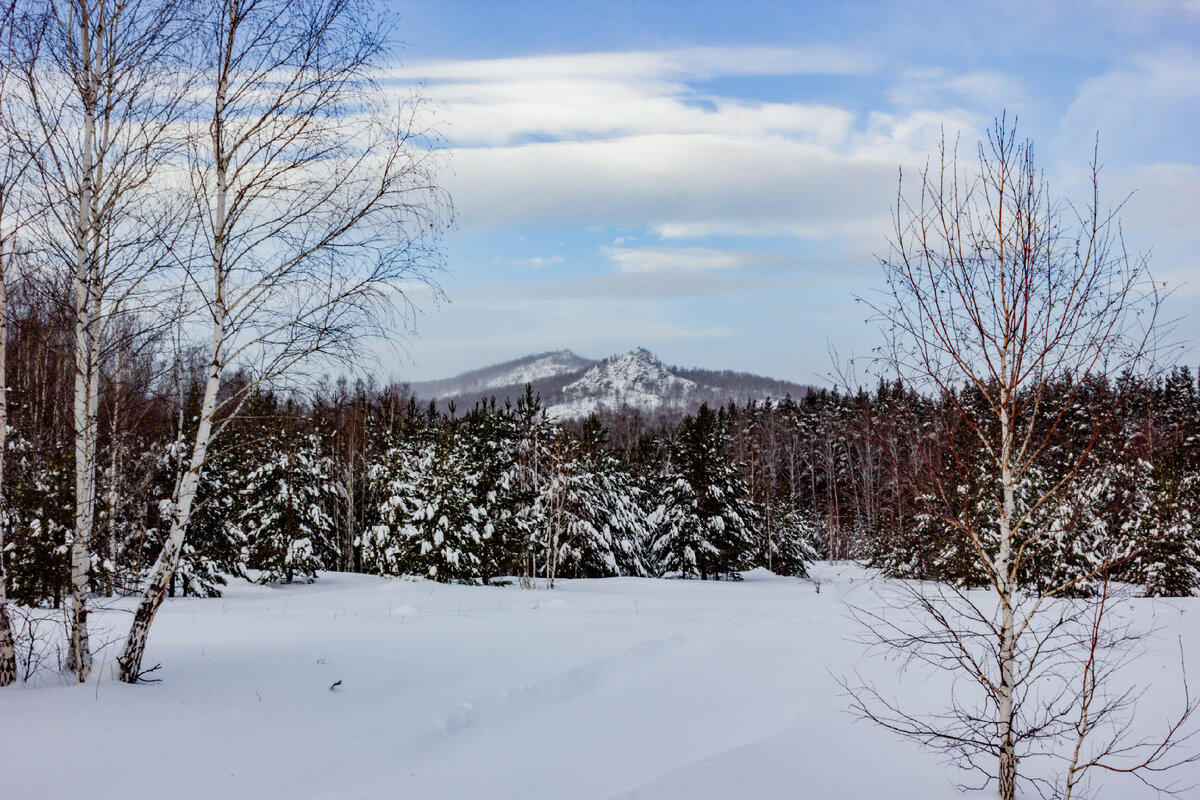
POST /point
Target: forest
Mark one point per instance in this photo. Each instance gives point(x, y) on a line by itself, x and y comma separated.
point(354, 477)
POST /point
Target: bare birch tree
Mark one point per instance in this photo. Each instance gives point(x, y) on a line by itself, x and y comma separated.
point(318, 207)
point(13, 163)
point(995, 292)
point(100, 95)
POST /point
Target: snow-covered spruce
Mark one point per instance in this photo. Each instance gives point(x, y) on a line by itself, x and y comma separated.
point(590, 513)
point(289, 533)
point(429, 525)
point(704, 519)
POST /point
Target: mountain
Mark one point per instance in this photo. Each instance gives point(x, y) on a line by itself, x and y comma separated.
point(499, 379)
point(572, 386)
point(636, 379)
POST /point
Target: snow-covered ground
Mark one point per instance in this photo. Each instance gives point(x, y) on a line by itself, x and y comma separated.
point(617, 688)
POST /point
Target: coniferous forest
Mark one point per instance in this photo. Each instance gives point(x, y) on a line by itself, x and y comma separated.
point(351, 476)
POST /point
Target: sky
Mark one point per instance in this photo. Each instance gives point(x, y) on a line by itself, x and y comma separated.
point(713, 180)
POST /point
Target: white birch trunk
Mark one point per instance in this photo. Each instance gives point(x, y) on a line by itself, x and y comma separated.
point(347, 547)
point(1005, 583)
point(130, 660)
point(79, 657)
point(114, 469)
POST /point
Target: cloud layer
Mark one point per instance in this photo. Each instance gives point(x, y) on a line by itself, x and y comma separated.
point(735, 189)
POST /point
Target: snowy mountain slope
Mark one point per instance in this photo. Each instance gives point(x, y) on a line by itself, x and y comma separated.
point(571, 386)
point(636, 379)
point(629, 688)
point(535, 368)
point(547, 365)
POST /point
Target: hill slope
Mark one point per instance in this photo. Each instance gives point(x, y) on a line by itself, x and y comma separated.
point(572, 386)
point(537, 368)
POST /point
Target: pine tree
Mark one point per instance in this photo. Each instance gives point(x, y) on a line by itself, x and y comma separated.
point(429, 524)
point(216, 544)
point(289, 532)
point(1164, 534)
point(788, 542)
point(505, 447)
point(704, 519)
point(1166, 500)
point(590, 518)
point(37, 519)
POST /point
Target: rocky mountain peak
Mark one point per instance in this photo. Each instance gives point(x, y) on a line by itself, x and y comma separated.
point(636, 379)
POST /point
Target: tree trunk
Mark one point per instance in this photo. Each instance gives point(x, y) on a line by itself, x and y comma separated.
point(112, 499)
point(79, 657)
point(163, 573)
point(1005, 582)
point(8, 652)
point(347, 548)
point(1008, 753)
point(185, 493)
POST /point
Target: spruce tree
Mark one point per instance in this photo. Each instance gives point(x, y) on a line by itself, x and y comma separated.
point(37, 519)
point(216, 545)
point(429, 525)
point(787, 544)
point(704, 518)
point(1164, 535)
point(590, 518)
point(289, 532)
point(504, 447)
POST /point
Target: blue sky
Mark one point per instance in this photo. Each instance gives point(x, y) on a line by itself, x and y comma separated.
point(713, 180)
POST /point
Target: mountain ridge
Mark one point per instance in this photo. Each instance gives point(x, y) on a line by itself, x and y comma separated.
point(572, 386)
point(506, 374)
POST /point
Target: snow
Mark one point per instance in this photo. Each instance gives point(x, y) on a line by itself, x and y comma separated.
point(542, 367)
point(636, 379)
point(617, 688)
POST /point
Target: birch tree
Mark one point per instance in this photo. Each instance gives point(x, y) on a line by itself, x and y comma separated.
point(13, 163)
point(318, 210)
point(994, 291)
point(99, 97)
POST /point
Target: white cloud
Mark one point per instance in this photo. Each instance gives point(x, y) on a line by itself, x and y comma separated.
point(691, 62)
point(936, 87)
point(533, 262)
point(690, 259)
point(694, 185)
point(1165, 199)
point(628, 140)
point(1158, 219)
point(1145, 111)
point(1148, 102)
point(593, 95)
point(674, 274)
point(585, 108)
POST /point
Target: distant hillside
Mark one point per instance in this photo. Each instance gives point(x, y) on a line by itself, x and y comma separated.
point(500, 379)
point(572, 386)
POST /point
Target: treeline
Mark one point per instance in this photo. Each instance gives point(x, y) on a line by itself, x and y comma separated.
point(881, 474)
point(365, 478)
point(359, 477)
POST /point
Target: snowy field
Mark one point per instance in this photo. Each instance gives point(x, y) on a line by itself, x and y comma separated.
point(618, 688)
